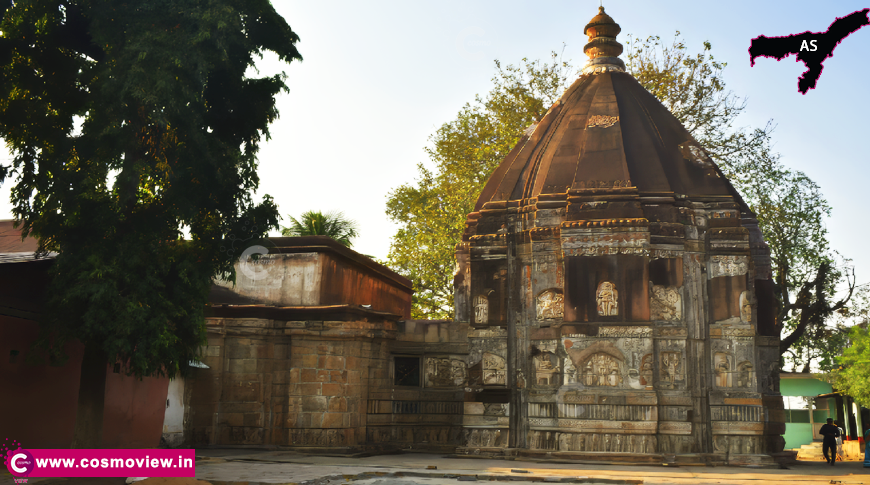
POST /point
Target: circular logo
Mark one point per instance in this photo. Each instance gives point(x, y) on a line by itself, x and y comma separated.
point(20, 462)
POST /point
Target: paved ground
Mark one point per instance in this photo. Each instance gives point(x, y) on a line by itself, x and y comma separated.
point(237, 467)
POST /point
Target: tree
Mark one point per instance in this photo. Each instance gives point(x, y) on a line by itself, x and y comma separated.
point(851, 377)
point(431, 213)
point(332, 224)
point(169, 132)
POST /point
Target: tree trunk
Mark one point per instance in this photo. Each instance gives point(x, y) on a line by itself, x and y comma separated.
point(92, 394)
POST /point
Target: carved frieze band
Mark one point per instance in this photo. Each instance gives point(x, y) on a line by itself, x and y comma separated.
point(728, 265)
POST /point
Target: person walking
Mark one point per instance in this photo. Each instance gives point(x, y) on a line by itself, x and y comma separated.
point(840, 440)
point(829, 433)
point(867, 449)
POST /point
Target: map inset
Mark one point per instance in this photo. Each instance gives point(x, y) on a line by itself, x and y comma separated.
point(811, 48)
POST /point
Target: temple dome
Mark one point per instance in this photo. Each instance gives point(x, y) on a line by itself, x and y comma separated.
point(607, 131)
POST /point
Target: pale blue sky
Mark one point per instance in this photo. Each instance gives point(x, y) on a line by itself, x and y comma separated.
point(379, 77)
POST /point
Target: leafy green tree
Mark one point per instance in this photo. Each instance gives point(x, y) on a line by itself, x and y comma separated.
point(170, 126)
point(431, 212)
point(332, 224)
point(851, 376)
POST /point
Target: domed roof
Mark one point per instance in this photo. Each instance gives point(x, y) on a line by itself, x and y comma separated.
point(606, 131)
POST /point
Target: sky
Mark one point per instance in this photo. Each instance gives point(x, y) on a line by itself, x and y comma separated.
point(379, 77)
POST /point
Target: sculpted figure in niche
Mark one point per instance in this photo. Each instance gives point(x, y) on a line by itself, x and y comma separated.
point(646, 370)
point(602, 370)
point(608, 299)
point(722, 368)
point(549, 304)
point(665, 303)
point(744, 374)
point(546, 368)
point(670, 367)
point(481, 309)
point(745, 307)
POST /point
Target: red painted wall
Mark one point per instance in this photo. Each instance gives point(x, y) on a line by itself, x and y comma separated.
point(38, 403)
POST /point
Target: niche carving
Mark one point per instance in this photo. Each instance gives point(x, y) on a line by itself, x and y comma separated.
point(546, 369)
point(481, 309)
point(601, 370)
point(607, 298)
point(549, 304)
point(646, 370)
point(665, 303)
point(745, 307)
point(670, 369)
point(722, 369)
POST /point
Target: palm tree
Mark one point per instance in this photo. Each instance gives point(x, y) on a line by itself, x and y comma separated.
point(315, 223)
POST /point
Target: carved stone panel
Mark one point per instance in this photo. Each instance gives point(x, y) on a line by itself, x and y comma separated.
point(445, 372)
point(728, 266)
point(745, 374)
point(546, 369)
point(671, 368)
point(665, 303)
point(745, 307)
point(549, 304)
point(481, 309)
point(601, 370)
point(646, 370)
point(494, 369)
point(722, 369)
point(607, 298)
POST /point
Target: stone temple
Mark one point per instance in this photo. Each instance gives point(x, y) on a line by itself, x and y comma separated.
point(617, 287)
point(613, 301)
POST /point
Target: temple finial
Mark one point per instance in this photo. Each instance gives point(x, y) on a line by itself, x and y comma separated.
point(603, 49)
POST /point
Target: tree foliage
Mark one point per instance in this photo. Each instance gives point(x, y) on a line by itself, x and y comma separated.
point(851, 376)
point(131, 122)
point(463, 153)
point(331, 224)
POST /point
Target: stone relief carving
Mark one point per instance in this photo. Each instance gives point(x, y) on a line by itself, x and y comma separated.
point(728, 266)
point(608, 442)
point(665, 303)
point(646, 370)
point(546, 369)
point(601, 370)
point(494, 369)
point(623, 332)
point(570, 373)
point(744, 374)
point(481, 309)
point(445, 372)
point(722, 369)
point(495, 409)
point(549, 304)
point(607, 298)
point(601, 121)
point(745, 307)
point(670, 369)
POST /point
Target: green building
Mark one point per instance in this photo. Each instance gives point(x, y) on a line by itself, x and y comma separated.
point(809, 402)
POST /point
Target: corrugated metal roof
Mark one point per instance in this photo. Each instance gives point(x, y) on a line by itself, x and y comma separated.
point(23, 257)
